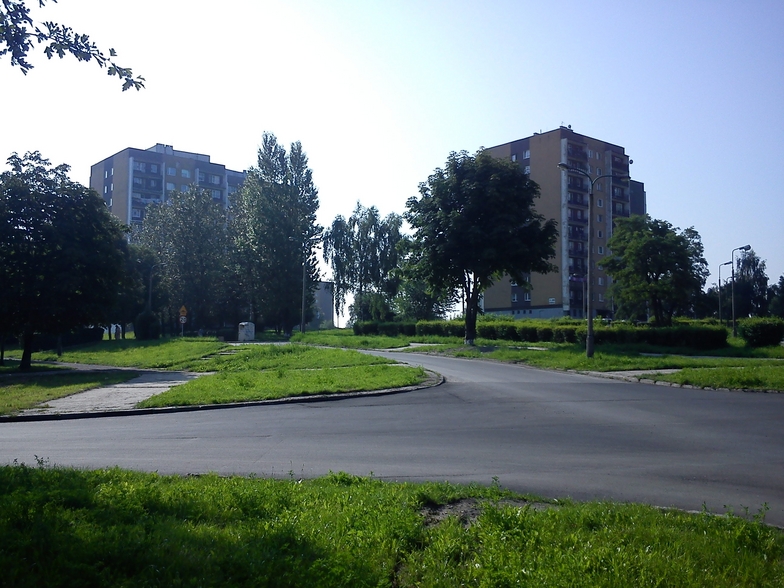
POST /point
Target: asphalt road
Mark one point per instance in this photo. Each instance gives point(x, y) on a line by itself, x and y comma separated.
point(548, 433)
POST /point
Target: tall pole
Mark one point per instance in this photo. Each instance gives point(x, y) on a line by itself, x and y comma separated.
point(734, 324)
point(721, 264)
point(302, 316)
point(589, 337)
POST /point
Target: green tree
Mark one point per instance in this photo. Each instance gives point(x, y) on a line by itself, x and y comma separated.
point(776, 298)
point(751, 285)
point(188, 235)
point(132, 296)
point(475, 221)
point(62, 252)
point(655, 269)
point(363, 255)
point(18, 32)
point(275, 234)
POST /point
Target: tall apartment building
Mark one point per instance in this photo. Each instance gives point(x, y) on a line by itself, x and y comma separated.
point(564, 197)
point(133, 178)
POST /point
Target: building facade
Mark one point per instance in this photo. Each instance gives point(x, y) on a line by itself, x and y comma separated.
point(565, 198)
point(133, 178)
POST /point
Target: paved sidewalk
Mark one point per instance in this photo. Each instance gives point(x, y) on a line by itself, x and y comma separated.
point(118, 397)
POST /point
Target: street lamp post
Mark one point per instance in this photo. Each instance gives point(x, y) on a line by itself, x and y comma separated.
point(589, 346)
point(721, 264)
point(732, 259)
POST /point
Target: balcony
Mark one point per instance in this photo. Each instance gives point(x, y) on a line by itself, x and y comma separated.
point(617, 213)
point(576, 152)
point(577, 200)
point(578, 236)
point(577, 253)
point(620, 164)
point(620, 196)
point(577, 184)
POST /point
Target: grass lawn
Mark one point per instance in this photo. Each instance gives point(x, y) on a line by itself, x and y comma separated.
point(754, 377)
point(288, 356)
point(64, 527)
point(162, 354)
point(19, 393)
point(243, 386)
point(11, 366)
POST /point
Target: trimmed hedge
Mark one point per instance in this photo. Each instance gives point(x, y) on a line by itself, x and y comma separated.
point(695, 337)
point(389, 329)
point(761, 332)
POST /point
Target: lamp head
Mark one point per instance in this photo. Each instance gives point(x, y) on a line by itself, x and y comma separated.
point(745, 248)
point(563, 166)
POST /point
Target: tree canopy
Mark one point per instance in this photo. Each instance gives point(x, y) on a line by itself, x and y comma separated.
point(275, 233)
point(62, 252)
point(363, 254)
point(188, 236)
point(18, 33)
point(656, 269)
point(475, 221)
point(751, 285)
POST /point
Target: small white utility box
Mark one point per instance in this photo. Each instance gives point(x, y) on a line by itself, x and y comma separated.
point(246, 332)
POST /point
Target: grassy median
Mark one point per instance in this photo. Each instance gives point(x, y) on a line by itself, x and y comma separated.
point(64, 527)
point(20, 393)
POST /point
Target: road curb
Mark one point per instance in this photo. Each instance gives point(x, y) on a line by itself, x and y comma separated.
point(434, 379)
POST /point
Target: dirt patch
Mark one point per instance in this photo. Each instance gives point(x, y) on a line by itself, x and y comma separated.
point(468, 510)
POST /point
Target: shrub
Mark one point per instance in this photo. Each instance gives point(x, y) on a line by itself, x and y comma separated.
point(147, 326)
point(527, 332)
point(544, 333)
point(486, 330)
point(565, 334)
point(761, 332)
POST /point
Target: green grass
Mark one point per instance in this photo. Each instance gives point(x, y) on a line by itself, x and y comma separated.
point(756, 377)
point(336, 338)
point(64, 527)
point(20, 393)
point(290, 356)
point(243, 386)
point(162, 353)
point(11, 366)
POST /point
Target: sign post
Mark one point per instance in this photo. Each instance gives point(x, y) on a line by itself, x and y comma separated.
point(183, 319)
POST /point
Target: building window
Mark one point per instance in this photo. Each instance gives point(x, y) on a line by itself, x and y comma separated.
point(183, 188)
point(599, 234)
point(601, 250)
point(139, 166)
point(136, 213)
point(527, 154)
point(601, 297)
point(137, 181)
point(514, 297)
point(201, 177)
point(170, 186)
point(171, 171)
point(599, 187)
point(599, 218)
point(600, 203)
point(527, 297)
point(105, 189)
point(106, 175)
point(153, 168)
point(216, 194)
point(601, 281)
point(153, 183)
point(185, 173)
point(514, 156)
point(216, 180)
point(598, 171)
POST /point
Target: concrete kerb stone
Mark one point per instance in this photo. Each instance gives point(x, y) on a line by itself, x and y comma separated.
point(434, 379)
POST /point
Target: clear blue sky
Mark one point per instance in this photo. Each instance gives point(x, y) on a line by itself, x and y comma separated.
point(379, 93)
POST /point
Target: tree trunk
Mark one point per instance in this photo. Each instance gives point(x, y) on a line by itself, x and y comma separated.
point(27, 350)
point(472, 309)
point(59, 345)
point(2, 348)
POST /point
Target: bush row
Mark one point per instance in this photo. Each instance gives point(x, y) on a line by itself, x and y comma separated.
point(761, 332)
point(695, 336)
point(389, 329)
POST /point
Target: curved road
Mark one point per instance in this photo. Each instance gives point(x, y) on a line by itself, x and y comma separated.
point(549, 433)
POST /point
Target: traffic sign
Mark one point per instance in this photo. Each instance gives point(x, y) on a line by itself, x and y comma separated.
point(183, 320)
point(183, 311)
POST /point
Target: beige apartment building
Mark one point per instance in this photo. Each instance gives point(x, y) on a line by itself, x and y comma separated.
point(565, 197)
point(133, 178)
